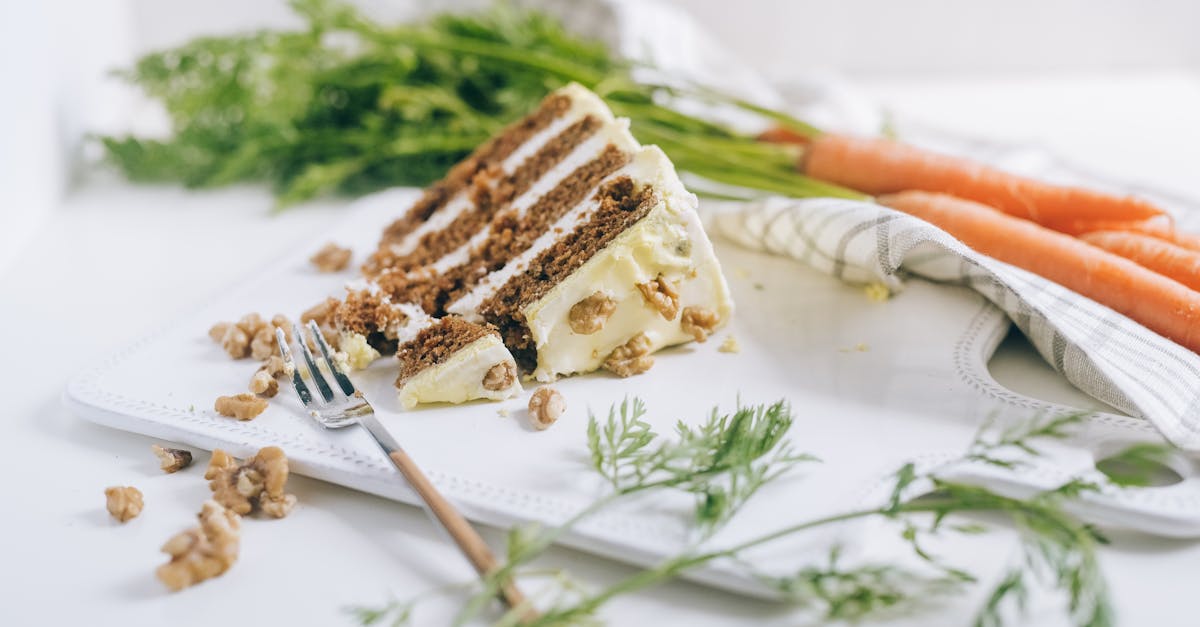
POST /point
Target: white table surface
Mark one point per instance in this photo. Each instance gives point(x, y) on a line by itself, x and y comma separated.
point(116, 259)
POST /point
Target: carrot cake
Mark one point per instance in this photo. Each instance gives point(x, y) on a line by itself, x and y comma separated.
point(560, 246)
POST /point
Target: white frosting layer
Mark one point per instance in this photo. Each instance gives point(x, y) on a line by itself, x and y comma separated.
point(460, 378)
point(669, 241)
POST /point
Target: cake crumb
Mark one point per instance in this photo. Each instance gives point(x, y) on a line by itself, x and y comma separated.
point(633, 357)
point(244, 406)
point(759, 287)
point(171, 459)
point(861, 347)
point(331, 258)
point(699, 322)
point(590, 314)
point(202, 552)
point(741, 273)
point(257, 482)
point(502, 412)
point(545, 407)
point(123, 502)
point(730, 345)
point(877, 292)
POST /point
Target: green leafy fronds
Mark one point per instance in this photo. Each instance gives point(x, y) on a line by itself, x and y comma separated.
point(1137, 465)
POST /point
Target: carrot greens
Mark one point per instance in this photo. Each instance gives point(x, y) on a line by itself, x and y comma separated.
point(725, 460)
point(349, 105)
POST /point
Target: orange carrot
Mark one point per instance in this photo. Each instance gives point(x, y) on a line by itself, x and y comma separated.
point(782, 135)
point(1162, 305)
point(1158, 226)
point(1159, 255)
point(880, 166)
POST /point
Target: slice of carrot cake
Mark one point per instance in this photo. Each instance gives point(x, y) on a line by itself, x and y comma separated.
point(561, 244)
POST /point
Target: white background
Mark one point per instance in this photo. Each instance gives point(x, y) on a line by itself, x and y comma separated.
point(85, 268)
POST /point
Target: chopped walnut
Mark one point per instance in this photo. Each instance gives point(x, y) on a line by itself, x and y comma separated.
point(589, 315)
point(331, 258)
point(500, 377)
point(124, 502)
point(242, 406)
point(172, 459)
point(236, 342)
point(699, 322)
point(218, 330)
point(662, 295)
point(545, 406)
point(263, 384)
point(262, 346)
point(631, 358)
point(202, 552)
point(259, 481)
point(275, 366)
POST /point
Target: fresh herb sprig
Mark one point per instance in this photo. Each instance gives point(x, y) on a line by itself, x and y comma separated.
point(717, 458)
point(348, 105)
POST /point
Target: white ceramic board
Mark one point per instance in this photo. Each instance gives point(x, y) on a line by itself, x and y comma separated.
point(872, 385)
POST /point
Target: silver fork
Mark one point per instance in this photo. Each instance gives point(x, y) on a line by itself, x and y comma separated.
point(347, 407)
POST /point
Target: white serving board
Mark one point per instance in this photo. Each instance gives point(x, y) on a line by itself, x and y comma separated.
point(872, 385)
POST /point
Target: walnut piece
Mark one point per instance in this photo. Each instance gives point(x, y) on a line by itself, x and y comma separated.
point(202, 552)
point(258, 481)
point(264, 384)
point(631, 358)
point(124, 502)
point(500, 377)
point(331, 258)
point(545, 406)
point(699, 322)
point(276, 367)
point(662, 295)
point(172, 459)
point(251, 336)
point(244, 406)
point(589, 315)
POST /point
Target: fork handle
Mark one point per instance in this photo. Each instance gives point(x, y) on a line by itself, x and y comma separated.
point(464, 535)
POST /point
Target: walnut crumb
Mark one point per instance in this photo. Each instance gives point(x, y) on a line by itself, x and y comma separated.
point(661, 294)
point(124, 502)
point(244, 406)
point(258, 481)
point(500, 377)
point(331, 258)
point(202, 552)
point(589, 315)
point(545, 406)
point(699, 322)
point(263, 384)
point(730, 345)
point(631, 358)
point(172, 459)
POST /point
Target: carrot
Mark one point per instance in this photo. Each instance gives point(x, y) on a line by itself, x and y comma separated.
point(1158, 226)
point(880, 166)
point(782, 135)
point(1162, 305)
point(1159, 255)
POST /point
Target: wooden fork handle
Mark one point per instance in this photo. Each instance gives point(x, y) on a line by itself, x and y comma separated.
point(464, 535)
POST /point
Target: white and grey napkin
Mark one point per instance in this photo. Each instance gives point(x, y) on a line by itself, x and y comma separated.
point(1101, 352)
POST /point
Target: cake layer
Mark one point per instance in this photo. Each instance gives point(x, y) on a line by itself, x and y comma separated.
point(454, 361)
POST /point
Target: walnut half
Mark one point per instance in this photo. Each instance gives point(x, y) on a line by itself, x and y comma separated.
point(631, 358)
point(124, 502)
point(258, 481)
point(244, 406)
point(589, 315)
point(699, 322)
point(661, 294)
point(202, 552)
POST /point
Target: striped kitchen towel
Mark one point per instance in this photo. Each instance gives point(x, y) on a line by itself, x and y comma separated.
point(1101, 352)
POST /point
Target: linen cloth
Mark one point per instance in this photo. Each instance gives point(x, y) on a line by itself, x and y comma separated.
point(1100, 351)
